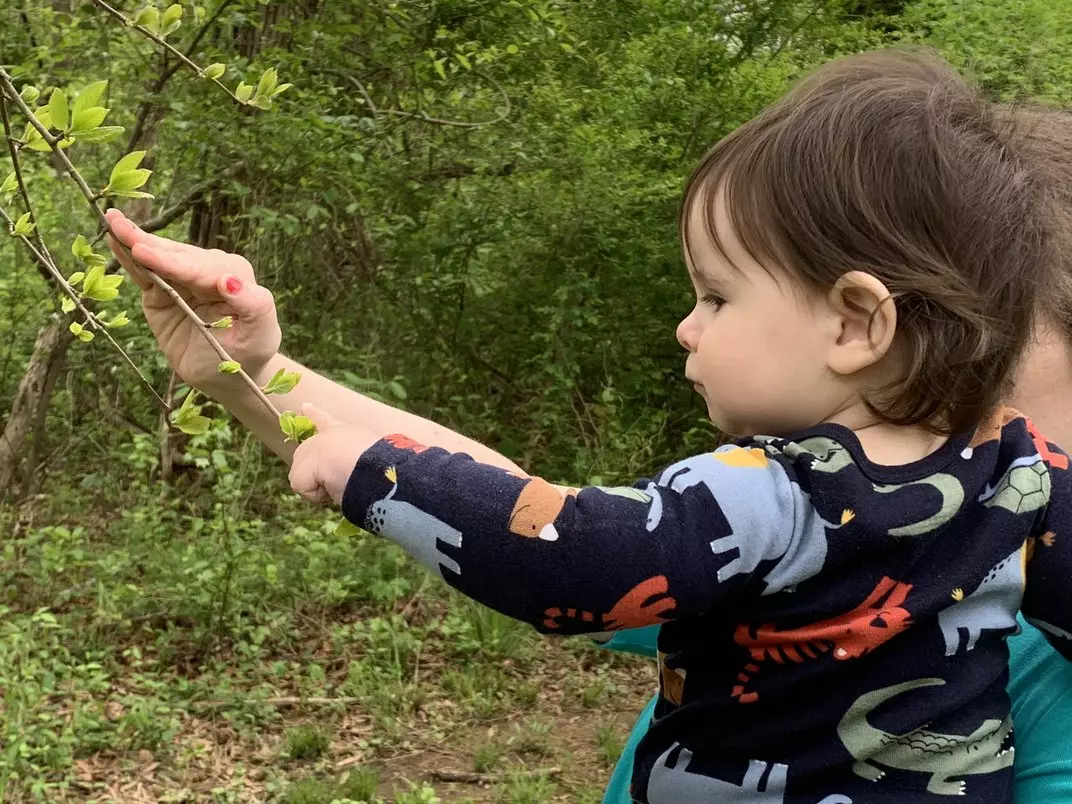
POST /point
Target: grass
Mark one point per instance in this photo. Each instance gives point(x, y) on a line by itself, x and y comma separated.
point(184, 643)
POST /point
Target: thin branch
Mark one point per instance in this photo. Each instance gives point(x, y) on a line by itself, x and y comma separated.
point(47, 263)
point(147, 105)
point(423, 116)
point(14, 151)
point(7, 86)
point(182, 57)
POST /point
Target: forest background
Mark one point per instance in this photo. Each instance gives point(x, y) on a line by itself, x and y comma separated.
point(463, 207)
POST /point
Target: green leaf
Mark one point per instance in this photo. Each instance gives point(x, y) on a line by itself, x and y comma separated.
point(346, 529)
point(80, 332)
point(150, 18)
point(229, 367)
point(131, 180)
point(214, 71)
point(188, 418)
point(127, 163)
point(101, 294)
point(296, 427)
point(463, 61)
point(120, 320)
point(57, 107)
point(10, 185)
point(75, 278)
point(512, 50)
point(67, 304)
point(195, 425)
point(396, 389)
point(243, 92)
point(88, 119)
point(133, 194)
point(282, 382)
point(30, 93)
point(438, 64)
point(81, 248)
point(88, 97)
point(102, 134)
point(224, 323)
point(172, 19)
point(100, 287)
point(24, 226)
point(269, 81)
point(281, 88)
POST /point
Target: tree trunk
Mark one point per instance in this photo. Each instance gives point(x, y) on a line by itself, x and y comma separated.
point(51, 346)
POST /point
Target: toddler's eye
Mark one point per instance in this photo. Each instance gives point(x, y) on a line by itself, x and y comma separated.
point(713, 300)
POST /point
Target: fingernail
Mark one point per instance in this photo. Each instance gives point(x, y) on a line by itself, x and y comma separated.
point(232, 284)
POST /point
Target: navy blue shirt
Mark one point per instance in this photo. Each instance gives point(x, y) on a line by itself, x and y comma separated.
point(833, 631)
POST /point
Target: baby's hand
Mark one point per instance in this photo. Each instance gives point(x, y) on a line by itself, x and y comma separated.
point(322, 465)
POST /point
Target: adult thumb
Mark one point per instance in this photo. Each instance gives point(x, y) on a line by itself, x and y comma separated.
point(323, 420)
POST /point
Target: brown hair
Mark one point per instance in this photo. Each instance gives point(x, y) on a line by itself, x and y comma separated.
point(889, 162)
point(1044, 138)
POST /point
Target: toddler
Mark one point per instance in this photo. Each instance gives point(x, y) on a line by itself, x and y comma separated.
point(835, 587)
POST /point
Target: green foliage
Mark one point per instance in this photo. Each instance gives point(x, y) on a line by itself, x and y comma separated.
point(306, 742)
point(465, 209)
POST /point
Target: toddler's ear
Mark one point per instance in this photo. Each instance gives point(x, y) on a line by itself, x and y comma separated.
point(867, 318)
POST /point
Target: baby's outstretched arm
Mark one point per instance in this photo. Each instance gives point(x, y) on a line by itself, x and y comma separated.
point(591, 559)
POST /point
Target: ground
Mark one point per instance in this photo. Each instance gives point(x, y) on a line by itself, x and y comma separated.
point(154, 654)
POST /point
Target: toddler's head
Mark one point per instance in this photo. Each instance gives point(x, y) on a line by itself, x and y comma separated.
point(871, 247)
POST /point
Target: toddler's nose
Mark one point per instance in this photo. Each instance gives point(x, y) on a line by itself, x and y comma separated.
point(686, 333)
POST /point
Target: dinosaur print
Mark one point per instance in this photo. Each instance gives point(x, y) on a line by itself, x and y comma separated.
point(991, 607)
point(1024, 487)
point(647, 603)
point(756, 519)
point(826, 454)
point(671, 782)
point(417, 532)
point(952, 494)
point(536, 509)
point(943, 756)
point(880, 617)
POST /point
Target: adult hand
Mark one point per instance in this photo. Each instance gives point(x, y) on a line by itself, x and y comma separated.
point(215, 284)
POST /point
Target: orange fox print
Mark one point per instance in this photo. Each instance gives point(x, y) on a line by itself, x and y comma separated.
point(536, 510)
point(877, 619)
point(647, 603)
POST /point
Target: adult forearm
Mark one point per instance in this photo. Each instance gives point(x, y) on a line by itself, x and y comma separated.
point(348, 405)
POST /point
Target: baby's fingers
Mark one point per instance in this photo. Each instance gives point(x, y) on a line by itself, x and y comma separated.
point(304, 478)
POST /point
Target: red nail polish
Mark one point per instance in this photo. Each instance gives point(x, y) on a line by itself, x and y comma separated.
point(233, 284)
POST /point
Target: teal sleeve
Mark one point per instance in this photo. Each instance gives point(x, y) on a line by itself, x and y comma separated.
point(1040, 685)
point(634, 640)
point(618, 787)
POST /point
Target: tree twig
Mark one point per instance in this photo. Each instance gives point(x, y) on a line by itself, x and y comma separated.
point(7, 86)
point(47, 263)
point(182, 57)
point(17, 168)
point(421, 115)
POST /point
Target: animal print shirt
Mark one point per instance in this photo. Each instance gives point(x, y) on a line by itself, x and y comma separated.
point(833, 631)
